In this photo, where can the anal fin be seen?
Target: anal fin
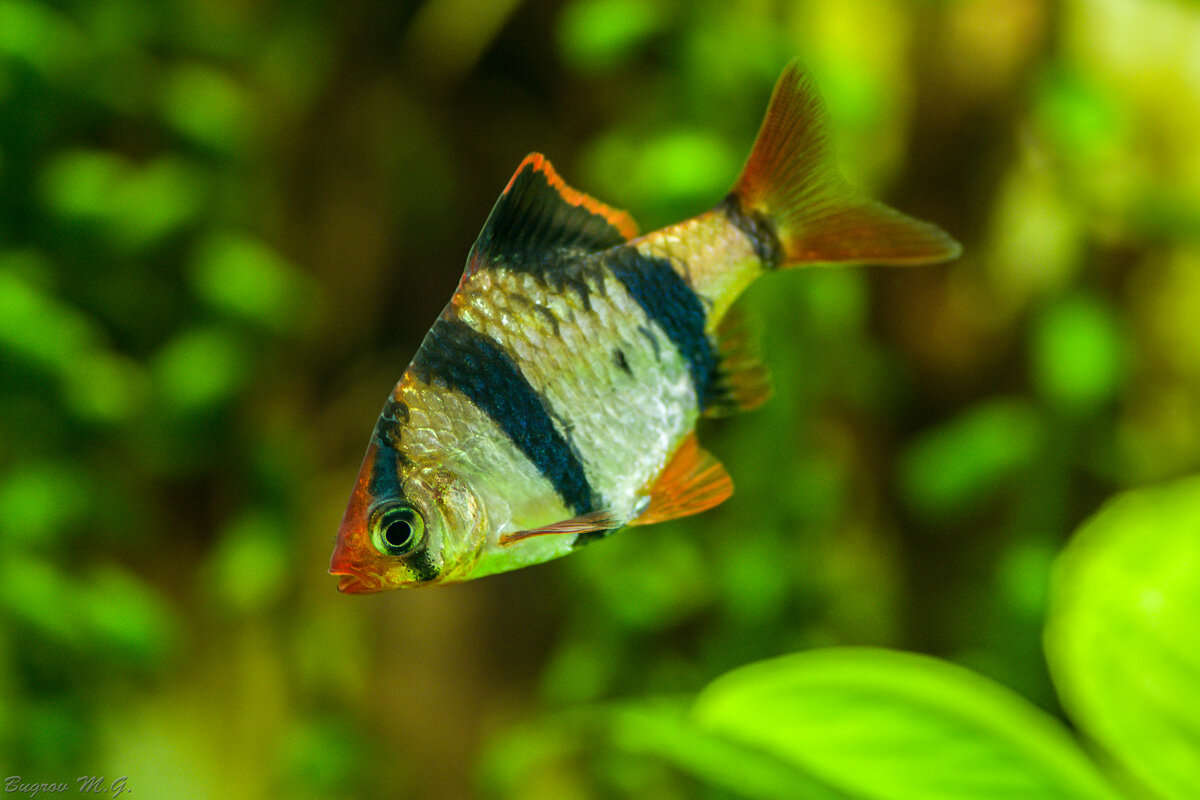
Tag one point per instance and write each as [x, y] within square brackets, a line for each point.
[692, 481]
[742, 382]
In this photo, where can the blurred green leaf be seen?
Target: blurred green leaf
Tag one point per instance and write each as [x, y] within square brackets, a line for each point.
[957, 464]
[40, 595]
[1121, 637]
[40, 36]
[1078, 110]
[883, 724]
[1077, 354]
[157, 200]
[320, 756]
[137, 205]
[201, 368]
[674, 170]
[685, 164]
[41, 329]
[209, 106]
[38, 500]
[596, 34]
[835, 302]
[665, 730]
[249, 565]
[297, 61]
[648, 599]
[243, 276]
[54, 735]
[125, 619]
[82, 183]
[106, 387]
[580, 671]
[1037, 236]
[1022, 577]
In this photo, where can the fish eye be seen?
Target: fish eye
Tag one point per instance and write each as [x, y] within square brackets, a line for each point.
[398, 529]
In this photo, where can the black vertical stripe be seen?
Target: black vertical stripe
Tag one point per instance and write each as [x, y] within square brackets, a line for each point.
[385, 486]
[390, 425]
[667, 300]
[757, 228]
[458, 357]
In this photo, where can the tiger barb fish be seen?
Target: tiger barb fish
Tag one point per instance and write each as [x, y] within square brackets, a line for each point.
[555, 399]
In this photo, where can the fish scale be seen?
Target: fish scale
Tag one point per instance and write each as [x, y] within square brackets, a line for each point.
[468, 441]
[555, 398]
[622, 423]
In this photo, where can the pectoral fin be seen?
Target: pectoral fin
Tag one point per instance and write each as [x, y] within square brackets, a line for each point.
[586, 523]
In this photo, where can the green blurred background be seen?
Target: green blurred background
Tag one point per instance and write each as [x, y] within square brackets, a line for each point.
[225, 226]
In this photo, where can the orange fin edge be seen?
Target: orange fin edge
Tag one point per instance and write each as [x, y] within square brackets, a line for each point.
[621, 220]
[691, 482]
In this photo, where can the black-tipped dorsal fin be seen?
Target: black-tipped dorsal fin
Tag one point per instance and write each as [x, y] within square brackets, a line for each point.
[538, 213]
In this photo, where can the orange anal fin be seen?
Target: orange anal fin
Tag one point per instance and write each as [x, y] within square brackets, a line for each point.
[595, 521]
[743, 381]
[693, 481]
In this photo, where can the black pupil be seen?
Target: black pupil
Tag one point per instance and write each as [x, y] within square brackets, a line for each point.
[398, 533]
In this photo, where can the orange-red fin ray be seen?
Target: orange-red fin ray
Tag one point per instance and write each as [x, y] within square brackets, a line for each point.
[791, 181]
[743, 381]
[538, 214]
[693, 481]
[586, 523]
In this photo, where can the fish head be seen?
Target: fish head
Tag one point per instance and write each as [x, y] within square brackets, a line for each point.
[407, 524]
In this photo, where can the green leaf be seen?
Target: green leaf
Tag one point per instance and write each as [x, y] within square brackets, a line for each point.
[209, 106]
[40, 499]
[882, 724]
[201, 368]
[1077, 354]
[138, 205]
[125, 618]
[245, 277]
[957, 464]
[41, 329]
[1122, 637]
[665, 732]
[40, 595]
[249, 566]
[40, 37]
[595, 34]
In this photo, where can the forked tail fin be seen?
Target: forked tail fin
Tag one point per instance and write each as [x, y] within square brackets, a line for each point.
[791, 182]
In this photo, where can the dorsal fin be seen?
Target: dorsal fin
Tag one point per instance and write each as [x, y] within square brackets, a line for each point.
[538, 213]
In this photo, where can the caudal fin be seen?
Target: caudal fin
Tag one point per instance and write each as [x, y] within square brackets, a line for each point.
[791, 180]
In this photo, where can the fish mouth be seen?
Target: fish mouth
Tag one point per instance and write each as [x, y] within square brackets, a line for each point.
[356, 583]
